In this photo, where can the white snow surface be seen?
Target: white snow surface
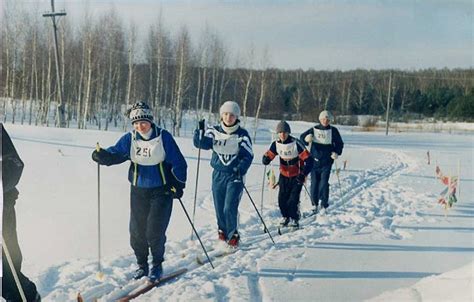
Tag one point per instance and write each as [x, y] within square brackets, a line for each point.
[384, 237]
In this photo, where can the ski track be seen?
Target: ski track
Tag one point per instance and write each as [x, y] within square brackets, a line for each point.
[369, 204]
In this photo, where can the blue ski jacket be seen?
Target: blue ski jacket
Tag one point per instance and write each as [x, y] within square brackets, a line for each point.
[172, 169]
[229, 163]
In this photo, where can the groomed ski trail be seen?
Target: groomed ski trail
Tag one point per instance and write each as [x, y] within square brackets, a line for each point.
[365, 194]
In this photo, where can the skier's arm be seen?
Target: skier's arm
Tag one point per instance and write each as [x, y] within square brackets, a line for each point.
[202, 141]
[337, 141]
[304, 134]
[175, 159]
[116, 154]
[12, 165]
[305, 157]
[269, 155]
[245, 154]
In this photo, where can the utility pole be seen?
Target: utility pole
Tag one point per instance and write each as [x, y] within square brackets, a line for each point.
[60, 114]
[388, 102]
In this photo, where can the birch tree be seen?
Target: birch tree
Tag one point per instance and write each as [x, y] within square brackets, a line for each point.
[182, 70]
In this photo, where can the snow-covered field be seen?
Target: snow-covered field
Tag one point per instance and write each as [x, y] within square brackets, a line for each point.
[385, 237]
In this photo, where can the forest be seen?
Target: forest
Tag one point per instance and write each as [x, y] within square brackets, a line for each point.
[107, 63]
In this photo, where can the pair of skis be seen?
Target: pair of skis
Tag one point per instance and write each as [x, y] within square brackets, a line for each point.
[215, 254]
[151, 285]
[146, 287]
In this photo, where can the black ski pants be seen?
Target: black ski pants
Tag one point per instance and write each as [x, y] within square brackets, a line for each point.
[9, 288]
[289, 197]
[149, 218]
[320, 185]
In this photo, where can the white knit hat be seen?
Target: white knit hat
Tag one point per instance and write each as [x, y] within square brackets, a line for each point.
[230, 107]
[326, 114]
[141, 112]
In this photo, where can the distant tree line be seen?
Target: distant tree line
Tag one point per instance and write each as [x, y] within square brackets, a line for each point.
[105, 66]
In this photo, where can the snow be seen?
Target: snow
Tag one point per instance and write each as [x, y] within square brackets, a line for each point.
[385, 238]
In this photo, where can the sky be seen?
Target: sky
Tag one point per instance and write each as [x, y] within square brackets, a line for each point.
[322, 35]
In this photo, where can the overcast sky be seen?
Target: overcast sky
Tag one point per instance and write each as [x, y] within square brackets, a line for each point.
[330, 34]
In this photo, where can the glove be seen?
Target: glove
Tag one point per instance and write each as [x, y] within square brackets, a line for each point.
[300, 179]
[177, 192]
[308, 138]
[176, 187]
[334, 155]
[266, 160]
[202, 124]
[236, 170]
[100, 156]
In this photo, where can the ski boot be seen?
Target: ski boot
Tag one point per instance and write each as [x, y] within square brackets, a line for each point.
[141, 272]
[155, 273]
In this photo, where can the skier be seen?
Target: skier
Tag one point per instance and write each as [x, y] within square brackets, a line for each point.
[12, 168]
[157, 174]
[325, 146]
[295, 164]
[231, 158]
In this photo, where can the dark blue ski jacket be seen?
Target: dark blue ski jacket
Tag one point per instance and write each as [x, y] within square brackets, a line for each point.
[172, 168]
[240, 162]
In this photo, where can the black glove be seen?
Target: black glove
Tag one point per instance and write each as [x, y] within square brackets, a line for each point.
[202, 124]
[176, 187]
[177, 192]
[100, 156]
[266, 160]
[300, 179]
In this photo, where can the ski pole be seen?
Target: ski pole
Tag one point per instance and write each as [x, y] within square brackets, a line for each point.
[100, 274]
[194, 229]
[14, 273]
[253, 203]
[307, 192]
[263, 187]
[197, 178]
[338, 179]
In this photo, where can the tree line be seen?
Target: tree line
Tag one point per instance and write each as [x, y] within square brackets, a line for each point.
[107, 64]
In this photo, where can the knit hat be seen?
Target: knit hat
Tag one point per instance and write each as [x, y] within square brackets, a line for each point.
[141, 112]
[326, 114]
[230, 107]
[283, 127]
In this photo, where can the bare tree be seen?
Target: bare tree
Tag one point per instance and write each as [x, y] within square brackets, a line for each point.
[182, 66]
[132, 39]
[246, 77]
[265, 63]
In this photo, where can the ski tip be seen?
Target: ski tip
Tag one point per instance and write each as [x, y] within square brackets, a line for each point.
[200, 261]
[100, 276]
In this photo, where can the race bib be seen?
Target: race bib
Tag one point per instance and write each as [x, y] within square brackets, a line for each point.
[323, 137]
[287, 151]
[226, 146]
[147, 153]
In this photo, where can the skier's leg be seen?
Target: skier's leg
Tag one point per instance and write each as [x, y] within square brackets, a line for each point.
[231, 208]
[139, 208]
[219, 188]
[283, 196]
[324, 185]
[315, 180]
[9, 227]
[294, 199]
[161, 205]
[9, 287]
